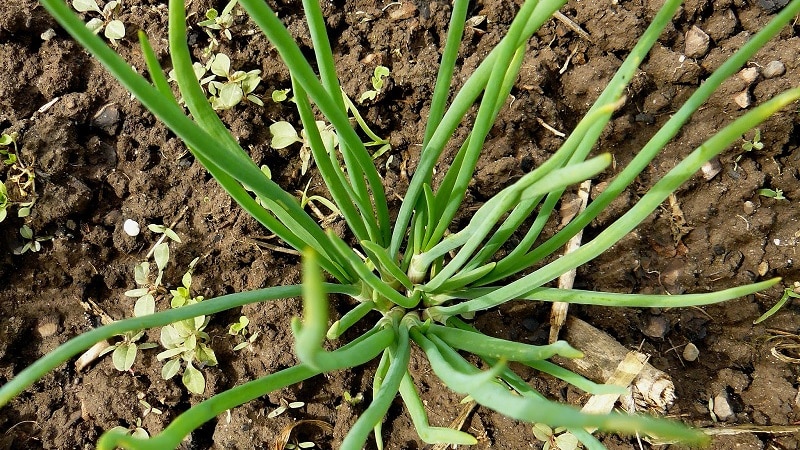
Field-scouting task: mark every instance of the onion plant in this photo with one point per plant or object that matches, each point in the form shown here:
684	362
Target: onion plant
421	277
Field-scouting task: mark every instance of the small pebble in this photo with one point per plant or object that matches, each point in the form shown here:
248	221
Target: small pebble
722	407
749	207
774	69
655	327
107	119
48	325
772	5
696	43
748	75
48	34
763	268
711	168
743	99
690	352
404	11
131	227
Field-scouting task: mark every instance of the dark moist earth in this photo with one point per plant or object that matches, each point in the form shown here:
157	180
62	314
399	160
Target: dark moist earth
100	158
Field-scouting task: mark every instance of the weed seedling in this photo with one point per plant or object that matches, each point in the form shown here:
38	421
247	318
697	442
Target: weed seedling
9	156
284	135
555	439
221	22
136	431
280	95
125	351
239	329
285	405
377	81
30	242
748	146
352	400
147	408
19	173
755	143
777	194
148	289
306	200
185	340
114	28
238	85
5	202
790	292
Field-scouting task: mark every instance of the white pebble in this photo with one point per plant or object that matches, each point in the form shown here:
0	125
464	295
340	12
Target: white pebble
131	227
690	352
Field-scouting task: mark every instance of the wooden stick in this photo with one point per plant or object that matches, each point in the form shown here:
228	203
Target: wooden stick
652	390
558	314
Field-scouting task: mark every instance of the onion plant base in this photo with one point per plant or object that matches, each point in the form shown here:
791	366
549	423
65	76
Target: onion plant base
421	276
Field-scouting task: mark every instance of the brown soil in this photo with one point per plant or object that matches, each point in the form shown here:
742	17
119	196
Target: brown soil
100	158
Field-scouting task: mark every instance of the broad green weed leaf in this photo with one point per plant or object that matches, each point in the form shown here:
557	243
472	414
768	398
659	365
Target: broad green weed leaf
26	232
170	336
368	95
124	356
283	135
170	368
240	346
567	441
221	65
206	356
251	81
229	95
161	255
144	306
141	273
172	235
253	99
86	5
115	30
279	95
186	280
95	25
136	293
191	342
171	353
193	379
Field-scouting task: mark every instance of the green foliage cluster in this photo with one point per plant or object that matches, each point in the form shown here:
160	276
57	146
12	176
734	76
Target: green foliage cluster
113	29
410	275
19	175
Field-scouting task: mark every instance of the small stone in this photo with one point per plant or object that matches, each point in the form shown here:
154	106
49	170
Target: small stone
107	119
749	207
772	5
404	11
48	325
131	227
655	327
743	99
690	352
48	34
774	69
711	168
722	407
748	75
696	43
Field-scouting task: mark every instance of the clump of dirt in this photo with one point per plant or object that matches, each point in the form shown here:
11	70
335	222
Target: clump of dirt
100	158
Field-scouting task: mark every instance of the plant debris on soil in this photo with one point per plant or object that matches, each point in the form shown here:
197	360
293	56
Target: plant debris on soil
100	158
